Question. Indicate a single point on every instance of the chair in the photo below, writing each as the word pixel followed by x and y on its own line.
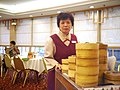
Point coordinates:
pixel 1 65
pixel 7 50
pixel 8 64
pixel 19 66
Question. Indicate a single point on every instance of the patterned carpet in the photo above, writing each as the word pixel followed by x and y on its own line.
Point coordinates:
pixel 34 82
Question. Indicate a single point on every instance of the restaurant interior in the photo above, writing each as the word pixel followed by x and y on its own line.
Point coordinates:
pixel 31 22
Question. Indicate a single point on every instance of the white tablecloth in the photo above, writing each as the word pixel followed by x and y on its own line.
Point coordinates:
pixel 35 64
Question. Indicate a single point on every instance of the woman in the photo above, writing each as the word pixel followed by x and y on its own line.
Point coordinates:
pixel 13 49
pixel 60 46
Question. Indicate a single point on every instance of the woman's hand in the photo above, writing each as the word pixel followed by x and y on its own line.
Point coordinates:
pixel 58 66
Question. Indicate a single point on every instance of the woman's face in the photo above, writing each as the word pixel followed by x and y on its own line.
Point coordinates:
pixel 65 26
pixel 11 45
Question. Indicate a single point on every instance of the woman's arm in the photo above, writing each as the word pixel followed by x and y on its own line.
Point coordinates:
pixel 50 50
pixel 16 50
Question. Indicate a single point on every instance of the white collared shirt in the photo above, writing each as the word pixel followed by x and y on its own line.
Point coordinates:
pixel 50 49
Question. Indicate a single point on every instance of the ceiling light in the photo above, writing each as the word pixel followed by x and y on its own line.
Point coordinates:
pixel 59 11
pixel 0 16
pixel 14 23
pixel 91 7
pixel 30 15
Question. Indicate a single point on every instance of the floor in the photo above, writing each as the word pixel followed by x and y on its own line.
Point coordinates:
pixel 32 82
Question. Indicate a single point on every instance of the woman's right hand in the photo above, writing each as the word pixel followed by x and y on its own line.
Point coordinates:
pixel 58 66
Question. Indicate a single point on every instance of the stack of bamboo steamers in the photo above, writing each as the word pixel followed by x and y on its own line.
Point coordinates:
pixel 84 67
pixel 102 62
pixel 87 64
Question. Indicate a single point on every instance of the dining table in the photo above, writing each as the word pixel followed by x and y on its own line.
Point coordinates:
pixel 33 63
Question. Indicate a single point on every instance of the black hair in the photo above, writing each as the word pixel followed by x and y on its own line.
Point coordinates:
pixel 64 16
pixel 13 42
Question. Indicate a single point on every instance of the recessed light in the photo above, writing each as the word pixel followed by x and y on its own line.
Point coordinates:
pixel 30 15
pixel 14 23
pixel 59 11
pixel 91 7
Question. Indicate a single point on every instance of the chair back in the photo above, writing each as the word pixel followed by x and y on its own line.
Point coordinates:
pixel 18 63
pixel 7 50
pixel 7 61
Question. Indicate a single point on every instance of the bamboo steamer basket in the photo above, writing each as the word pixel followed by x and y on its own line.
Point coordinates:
pixel 73 79
pixel 87 53
pixel 72 66
pixel 102 53
pixel 65 66
pixel 87 62
pixel 103 60
pixel 93 70
pixel 101 77
pixel 101 73
pixel 65 61
pixel 87 46
pixel 102 46
pixel 103 67
pixel 86 81
pixel 65 71
pixel 71 73
pixel 113 82
pixel 87 50
pixel 72 62
pixel 86 85
pixel 72 59
pixel 101 80
pixel 115 76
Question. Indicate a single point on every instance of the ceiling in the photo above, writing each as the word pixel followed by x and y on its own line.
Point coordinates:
pixel 48 7
pixel 10 2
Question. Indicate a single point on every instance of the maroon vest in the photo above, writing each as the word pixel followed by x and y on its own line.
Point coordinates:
pixel 63 51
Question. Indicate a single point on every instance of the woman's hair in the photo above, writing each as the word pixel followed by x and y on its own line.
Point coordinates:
pixel 13 42
pixel 64 16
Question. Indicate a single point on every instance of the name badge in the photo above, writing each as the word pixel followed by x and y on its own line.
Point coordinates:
pixel 73 41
